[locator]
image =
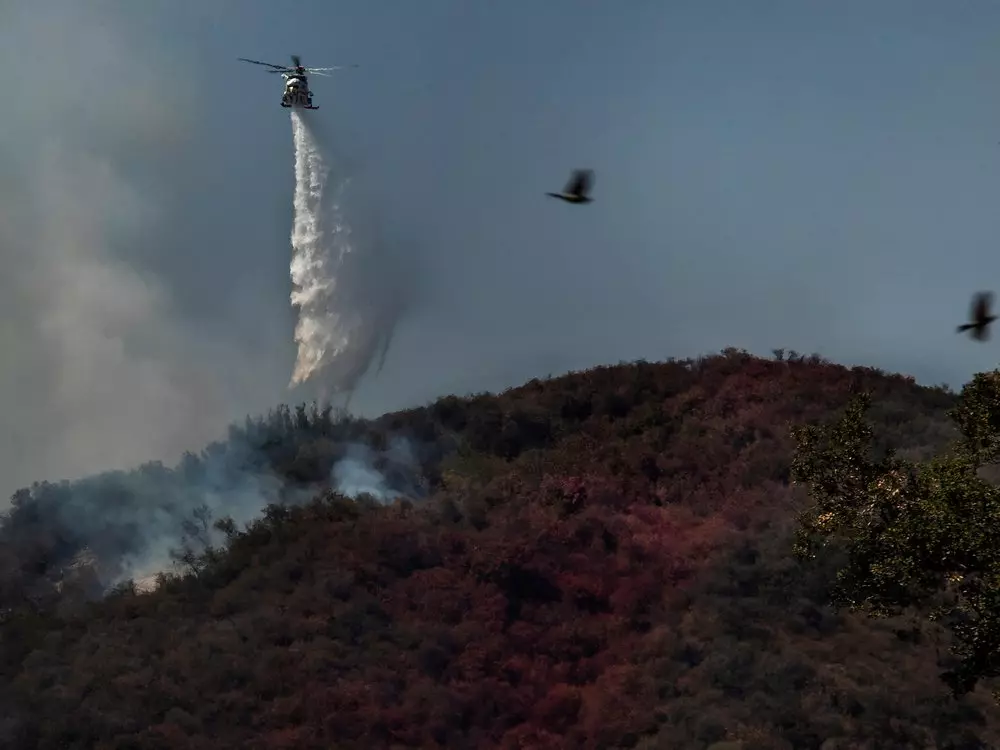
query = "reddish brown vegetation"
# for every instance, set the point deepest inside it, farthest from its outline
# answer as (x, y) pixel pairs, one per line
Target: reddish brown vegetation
(604, 562)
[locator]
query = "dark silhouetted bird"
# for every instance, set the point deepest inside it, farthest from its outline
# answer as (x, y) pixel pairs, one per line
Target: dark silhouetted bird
(981, 317)
(576, 191)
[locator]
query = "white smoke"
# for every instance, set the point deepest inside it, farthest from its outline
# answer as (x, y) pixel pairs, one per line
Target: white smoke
(355, 475)
(338, 331)
(358, 473)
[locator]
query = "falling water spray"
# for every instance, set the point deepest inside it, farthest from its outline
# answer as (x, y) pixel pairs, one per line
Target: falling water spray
(321, 244)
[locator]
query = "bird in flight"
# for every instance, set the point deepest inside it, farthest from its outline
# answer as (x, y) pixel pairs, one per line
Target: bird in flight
(578, 188)
(981, 317)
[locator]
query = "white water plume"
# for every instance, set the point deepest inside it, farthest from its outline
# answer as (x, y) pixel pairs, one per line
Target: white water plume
(348, 301)
(321, 242)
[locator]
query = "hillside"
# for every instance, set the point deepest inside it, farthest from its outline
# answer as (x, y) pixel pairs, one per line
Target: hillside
(597, 560)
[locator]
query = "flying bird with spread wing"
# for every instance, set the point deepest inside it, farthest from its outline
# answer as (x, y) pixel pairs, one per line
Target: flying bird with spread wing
(577, 190)
(981, 317)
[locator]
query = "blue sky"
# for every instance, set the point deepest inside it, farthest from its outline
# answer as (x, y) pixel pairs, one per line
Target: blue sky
(816, 176)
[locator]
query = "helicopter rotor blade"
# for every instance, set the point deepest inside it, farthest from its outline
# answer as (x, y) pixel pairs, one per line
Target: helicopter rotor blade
(258, 62)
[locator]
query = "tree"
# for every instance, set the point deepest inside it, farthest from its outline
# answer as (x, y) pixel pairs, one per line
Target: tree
(918, 536)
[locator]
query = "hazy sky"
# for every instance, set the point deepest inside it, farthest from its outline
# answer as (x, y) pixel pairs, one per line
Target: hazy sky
(816, 176)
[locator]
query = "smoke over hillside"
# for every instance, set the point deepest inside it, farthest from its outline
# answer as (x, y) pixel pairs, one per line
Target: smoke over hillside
(105, 364)
(135, 524)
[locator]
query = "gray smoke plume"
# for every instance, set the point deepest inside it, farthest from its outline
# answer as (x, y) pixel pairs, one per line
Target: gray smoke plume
(358, 472)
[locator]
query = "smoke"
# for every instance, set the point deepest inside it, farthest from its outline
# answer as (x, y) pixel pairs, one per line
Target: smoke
(112, 356)
(134, 524)
(356, 475)
(216, 491)
(344, 323)
(359, 473)
(105, 329)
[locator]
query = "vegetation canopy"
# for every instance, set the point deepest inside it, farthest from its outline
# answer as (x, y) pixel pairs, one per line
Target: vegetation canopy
(598, 560)
(919, 535)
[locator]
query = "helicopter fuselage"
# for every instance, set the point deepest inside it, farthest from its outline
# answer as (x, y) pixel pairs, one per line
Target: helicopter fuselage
(296, 93)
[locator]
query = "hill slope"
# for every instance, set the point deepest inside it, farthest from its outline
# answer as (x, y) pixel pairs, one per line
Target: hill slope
(598, 560)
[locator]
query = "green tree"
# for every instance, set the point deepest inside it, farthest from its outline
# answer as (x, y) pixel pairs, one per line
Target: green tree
(921, 537)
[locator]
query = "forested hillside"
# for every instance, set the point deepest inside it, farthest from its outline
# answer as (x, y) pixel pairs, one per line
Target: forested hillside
(598, 560)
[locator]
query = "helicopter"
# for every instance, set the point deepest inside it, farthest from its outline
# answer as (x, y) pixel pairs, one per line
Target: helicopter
(296, 93)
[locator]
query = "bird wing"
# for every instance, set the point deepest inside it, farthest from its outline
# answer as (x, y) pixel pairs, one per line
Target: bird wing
(981, 306)
(580, 182)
